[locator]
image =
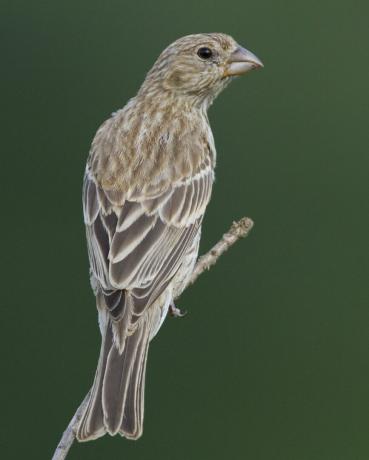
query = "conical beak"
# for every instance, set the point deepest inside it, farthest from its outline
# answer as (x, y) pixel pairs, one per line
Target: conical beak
(241, 61)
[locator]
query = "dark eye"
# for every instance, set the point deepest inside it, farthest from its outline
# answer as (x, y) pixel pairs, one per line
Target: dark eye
(204, 53)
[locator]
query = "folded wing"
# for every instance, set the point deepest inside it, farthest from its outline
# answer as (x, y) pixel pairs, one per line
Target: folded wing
(136, 246)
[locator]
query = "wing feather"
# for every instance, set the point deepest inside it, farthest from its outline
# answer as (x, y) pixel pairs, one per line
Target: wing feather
(126, 241)
(122, 274)
(137, 246)
(130, 212)
(91, 206)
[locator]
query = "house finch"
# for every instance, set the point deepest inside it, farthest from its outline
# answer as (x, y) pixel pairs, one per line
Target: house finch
(147, 183)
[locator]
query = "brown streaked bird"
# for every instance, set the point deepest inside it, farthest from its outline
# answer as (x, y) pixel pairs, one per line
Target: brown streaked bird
(148, 181)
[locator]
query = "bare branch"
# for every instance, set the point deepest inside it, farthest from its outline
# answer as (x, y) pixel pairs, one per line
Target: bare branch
(70, 433)
(238, 230)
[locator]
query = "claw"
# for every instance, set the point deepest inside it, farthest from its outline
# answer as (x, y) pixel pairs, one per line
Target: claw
(176, 312)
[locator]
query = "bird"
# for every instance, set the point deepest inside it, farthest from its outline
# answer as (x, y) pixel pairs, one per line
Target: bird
(147, 183)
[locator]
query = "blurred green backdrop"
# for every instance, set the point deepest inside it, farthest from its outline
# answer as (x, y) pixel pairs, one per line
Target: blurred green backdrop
(272, 361)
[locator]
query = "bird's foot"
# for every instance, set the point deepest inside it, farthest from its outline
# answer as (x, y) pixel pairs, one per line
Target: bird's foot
(176, 312)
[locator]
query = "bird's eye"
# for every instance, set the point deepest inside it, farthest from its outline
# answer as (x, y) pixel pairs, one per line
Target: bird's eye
(204, 53)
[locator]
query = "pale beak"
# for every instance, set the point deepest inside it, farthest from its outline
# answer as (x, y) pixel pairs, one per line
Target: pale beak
(240, 62)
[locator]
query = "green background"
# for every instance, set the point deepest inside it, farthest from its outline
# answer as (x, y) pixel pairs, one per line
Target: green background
(272, 361)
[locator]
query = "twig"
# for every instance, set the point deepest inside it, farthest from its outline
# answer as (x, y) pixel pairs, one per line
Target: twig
(70, 433)
(238, 230)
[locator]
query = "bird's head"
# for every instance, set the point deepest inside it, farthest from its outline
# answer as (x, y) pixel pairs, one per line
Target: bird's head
(198, 67)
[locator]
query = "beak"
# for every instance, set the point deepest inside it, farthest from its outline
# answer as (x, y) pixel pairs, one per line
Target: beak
(240, 62)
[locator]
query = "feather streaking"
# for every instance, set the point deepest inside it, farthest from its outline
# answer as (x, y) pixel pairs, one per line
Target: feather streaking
(148, 181)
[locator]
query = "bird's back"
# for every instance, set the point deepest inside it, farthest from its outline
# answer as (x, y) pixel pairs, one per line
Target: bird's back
(149, 145)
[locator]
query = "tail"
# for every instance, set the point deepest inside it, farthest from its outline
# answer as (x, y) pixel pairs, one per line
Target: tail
(116, 403)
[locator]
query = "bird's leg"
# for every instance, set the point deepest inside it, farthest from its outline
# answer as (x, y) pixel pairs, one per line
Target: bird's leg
(176, 312)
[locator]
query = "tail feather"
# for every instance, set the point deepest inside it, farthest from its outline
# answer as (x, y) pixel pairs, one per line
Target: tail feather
(132, 423)
(91, 425)
(117, 397)
(116, 381)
